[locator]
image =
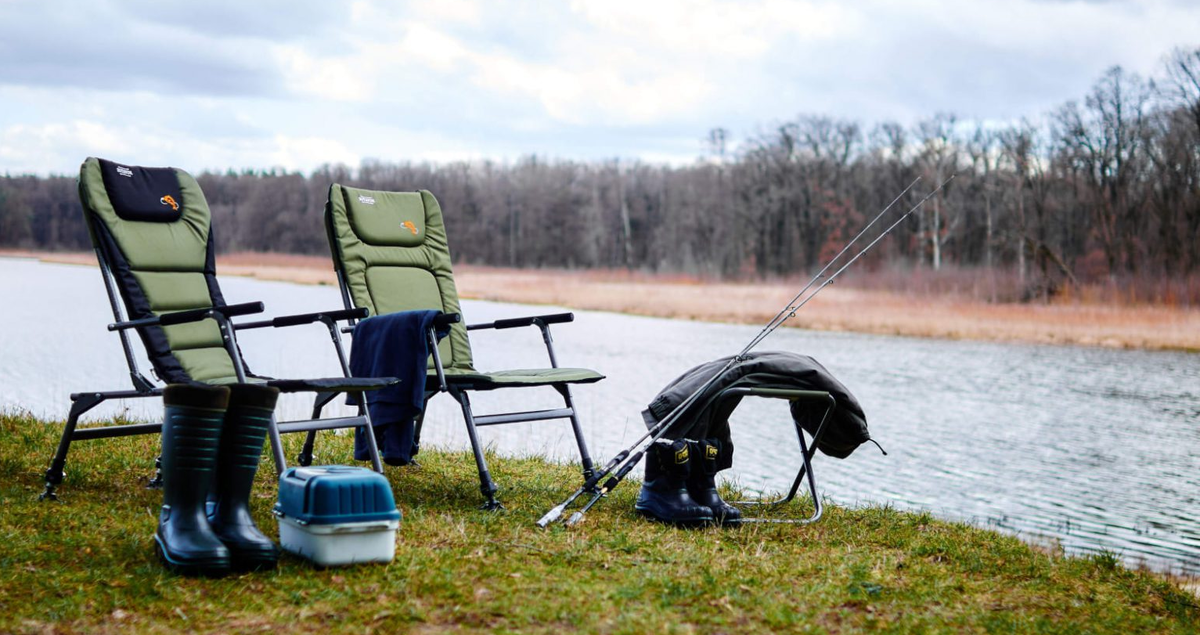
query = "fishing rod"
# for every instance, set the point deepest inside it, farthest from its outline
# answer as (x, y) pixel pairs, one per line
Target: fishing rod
(779, 318)
(627, 459)
(590, 484)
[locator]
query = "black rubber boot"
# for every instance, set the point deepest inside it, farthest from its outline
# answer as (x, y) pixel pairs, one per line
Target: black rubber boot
(710, 456)
(246, 423)
(192, 420)
(664, 495)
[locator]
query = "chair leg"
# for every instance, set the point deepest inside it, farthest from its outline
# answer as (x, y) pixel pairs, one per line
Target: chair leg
(369, 433)
(304, 459)
(54, 474)
(306, 453)
(157, 481)
(584, 457)
(806, 456)
(486, 485)
(276, 445)
(419, 424)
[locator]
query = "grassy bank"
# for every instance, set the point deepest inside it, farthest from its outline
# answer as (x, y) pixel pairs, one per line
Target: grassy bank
(85, 564)
(936, 311)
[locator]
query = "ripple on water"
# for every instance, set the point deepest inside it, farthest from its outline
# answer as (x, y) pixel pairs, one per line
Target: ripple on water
(1095, 449)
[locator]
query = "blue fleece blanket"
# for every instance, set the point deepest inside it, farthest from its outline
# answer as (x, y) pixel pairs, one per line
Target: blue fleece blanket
(393, 345)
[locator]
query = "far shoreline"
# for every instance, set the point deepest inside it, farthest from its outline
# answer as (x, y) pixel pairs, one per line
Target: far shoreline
(1141, 327)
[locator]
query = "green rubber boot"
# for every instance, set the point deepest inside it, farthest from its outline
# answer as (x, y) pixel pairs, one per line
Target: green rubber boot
(241, 447)
(192, 420)
(664, 496)
(246, 424)
(708, 457)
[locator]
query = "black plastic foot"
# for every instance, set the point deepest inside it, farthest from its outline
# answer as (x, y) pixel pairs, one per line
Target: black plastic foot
(304, 459)
(48, 494)
(156, 482)
(492, 505)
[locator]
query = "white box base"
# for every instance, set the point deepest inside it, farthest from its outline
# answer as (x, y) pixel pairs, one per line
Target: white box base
(340, 544)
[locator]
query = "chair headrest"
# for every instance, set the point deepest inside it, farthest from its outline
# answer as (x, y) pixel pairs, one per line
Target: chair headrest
(390, 219)
(143, 194)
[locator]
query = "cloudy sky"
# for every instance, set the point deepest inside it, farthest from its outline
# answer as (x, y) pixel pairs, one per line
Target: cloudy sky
(215, 84)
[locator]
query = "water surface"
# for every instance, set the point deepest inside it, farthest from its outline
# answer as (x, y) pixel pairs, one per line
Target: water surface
(1096, 449)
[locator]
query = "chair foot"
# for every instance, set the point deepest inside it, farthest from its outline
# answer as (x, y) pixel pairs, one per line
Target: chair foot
(304, 459)
(53, 478)
(489, 489)
(156, 482)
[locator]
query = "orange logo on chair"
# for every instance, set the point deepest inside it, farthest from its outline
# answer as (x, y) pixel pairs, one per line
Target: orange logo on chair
(409, 226)
(169, 200)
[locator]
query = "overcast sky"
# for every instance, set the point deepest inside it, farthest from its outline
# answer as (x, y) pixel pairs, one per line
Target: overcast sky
(214, 84)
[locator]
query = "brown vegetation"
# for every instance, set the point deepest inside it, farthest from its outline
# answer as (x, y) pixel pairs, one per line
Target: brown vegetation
(1098, 195)
(934, 312)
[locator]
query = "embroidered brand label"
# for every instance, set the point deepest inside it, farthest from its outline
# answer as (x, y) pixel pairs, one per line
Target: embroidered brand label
(681, 456)
(169, 200)
(124, 171)
(711, 451)
(366, 200)
(410, 227)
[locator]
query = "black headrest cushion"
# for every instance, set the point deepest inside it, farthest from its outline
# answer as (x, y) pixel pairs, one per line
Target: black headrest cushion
(143, 194)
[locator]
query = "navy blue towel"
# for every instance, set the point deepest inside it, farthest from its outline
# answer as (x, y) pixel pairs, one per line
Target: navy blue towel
(393, 345)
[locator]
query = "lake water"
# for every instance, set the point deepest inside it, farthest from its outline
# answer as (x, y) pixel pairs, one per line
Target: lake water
(1096, 449)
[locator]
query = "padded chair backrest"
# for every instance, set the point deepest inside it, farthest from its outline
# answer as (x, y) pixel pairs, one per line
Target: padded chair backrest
(392, 252)
(153, 229)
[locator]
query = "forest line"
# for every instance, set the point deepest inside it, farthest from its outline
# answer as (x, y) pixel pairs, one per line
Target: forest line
(1104, 190)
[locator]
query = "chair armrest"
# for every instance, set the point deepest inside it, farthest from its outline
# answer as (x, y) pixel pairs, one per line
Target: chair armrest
(439, 322)
(553, 318)
(446, 319)
(192, 315)
(306, 318)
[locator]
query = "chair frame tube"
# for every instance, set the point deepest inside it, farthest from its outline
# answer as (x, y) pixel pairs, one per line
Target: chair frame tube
(83, 402)
(459, 392)
(806, 450)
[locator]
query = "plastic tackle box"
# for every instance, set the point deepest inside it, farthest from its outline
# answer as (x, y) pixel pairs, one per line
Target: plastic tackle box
(337, 515)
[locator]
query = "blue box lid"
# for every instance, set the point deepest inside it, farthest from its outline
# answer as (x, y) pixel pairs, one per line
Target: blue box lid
(331, 494)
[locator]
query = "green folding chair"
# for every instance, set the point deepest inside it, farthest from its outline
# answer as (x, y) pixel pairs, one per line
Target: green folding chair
(391, 254)
(152, 233)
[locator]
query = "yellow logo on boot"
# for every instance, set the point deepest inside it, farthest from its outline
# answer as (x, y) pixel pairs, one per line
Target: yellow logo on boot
(681, 456)
(710, 452)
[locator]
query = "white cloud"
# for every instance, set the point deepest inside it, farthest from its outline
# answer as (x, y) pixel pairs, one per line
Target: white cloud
(457, 11)
(58, 148)
(425, 45)
(715, 27)
(597, 94)
(38, 148)
(584, 79)
(302, 153)
(332, 78)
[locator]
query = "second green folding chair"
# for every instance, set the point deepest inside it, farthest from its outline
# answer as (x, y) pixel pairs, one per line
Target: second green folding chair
(391, 254)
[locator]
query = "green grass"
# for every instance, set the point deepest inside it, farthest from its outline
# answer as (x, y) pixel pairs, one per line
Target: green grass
(86, 564)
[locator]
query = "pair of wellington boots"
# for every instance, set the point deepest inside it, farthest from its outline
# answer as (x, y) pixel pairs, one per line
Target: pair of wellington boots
(680, 487)
(212, 439)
